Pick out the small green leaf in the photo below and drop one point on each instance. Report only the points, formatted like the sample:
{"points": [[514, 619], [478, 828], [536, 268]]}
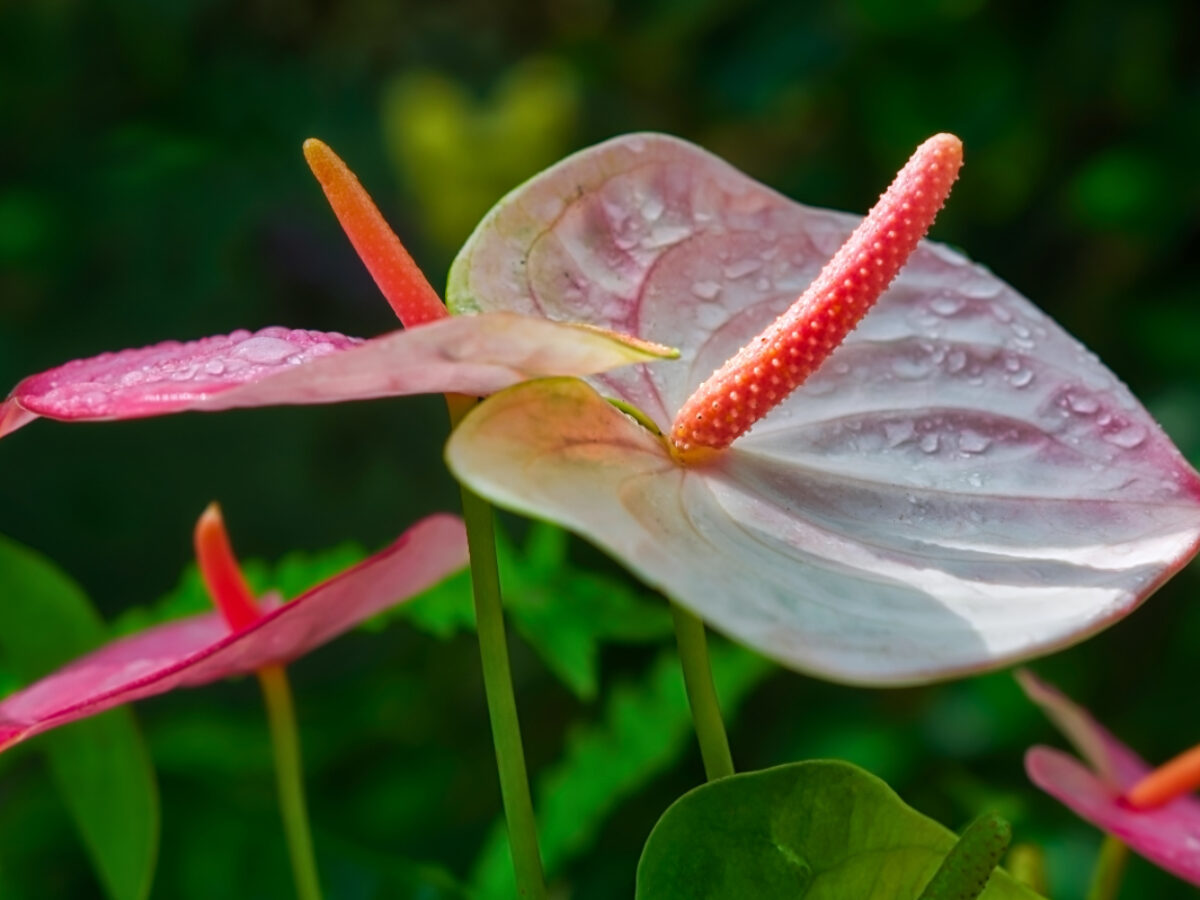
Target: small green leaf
{"points": [[816, 830], [100, 765]]}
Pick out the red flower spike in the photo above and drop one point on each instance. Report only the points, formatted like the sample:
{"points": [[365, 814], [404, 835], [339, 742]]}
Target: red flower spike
{"points": [[766, 370], [406, 288], [1172, 779], [222, 575]]}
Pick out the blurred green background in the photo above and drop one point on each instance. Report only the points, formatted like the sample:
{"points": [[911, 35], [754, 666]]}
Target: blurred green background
{"points": [[152, 187]]}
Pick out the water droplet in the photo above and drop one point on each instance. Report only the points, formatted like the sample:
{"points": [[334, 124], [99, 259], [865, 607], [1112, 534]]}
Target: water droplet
{"points": [[1020, 330], [652, 209], [975, 480], [956, 361], [981, 287], [1127, 438], [264, 350], [706, 290], [763, 284], [911, 369], [947, 305], [665, 236], [896, 433], [1002, 313], [742, 268], [1020, 378], [1083, 404], [929, 443], [973, 442], [1012, 364], [216, 367]]}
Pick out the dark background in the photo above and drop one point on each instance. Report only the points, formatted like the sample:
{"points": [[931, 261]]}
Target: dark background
{"points": [[152, 187]]}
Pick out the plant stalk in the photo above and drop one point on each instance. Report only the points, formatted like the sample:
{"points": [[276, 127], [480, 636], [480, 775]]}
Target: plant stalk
{"points": [[497, 682], [1110, 868], [702, 694], [289, 775]]}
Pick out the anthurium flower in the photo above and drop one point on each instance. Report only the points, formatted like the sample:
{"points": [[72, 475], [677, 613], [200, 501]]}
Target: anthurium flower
{"points": [[1103, 788], [241, 637], [948, 485]]}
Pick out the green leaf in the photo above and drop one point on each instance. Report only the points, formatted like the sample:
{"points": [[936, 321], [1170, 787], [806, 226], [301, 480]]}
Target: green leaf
{"points": [[645, 727], [819, 830], [100, 765]]}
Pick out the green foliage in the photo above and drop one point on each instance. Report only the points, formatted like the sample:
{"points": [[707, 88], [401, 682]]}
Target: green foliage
{"points": [[101, 766], [564, 612], [820, 830], [643, 730]]}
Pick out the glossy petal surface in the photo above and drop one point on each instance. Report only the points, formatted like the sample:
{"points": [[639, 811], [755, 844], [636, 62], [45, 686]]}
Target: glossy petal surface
{"points": [[834, 576], [960, 485], [201, 649], [475, 355], [1168, 836]]}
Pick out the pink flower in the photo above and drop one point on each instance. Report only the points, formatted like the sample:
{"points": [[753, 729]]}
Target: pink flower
{"points": [[276, 365], [1100, 791], [958, 484], [239, 638]]}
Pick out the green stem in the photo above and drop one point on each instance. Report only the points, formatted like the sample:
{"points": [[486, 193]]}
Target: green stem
{"points": [[289, 775], [502, 704], [497, 681], [702, 694], [1110, 867]]}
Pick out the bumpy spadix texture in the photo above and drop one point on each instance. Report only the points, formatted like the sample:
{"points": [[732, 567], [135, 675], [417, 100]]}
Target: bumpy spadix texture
{"points": [[961, 484], [409, 293], [1168, 836], [762, 374], [201, 649]]}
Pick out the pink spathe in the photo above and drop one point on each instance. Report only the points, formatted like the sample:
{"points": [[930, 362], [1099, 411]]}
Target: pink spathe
{"points": [[1168, 836], [201, 649]]}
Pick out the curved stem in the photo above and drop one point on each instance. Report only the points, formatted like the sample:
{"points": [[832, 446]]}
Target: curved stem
{"points": [[1110, 867], [702, 694], [502, 704], [285, 744]]}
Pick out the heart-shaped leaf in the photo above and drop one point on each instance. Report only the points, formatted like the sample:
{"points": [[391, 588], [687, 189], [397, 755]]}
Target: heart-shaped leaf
{"points": [[817, 830]]}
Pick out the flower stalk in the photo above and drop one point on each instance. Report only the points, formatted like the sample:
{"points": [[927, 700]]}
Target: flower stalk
{"points": [[702, 694], [231, 595], [415, 302]]}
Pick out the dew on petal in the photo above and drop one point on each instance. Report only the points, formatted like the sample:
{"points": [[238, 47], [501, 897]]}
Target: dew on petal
{"points": [[1083, 404], [947, 305], [265, 351], [973, 442], [706, 290], [1021, 378], [742, 268], [1126, 438]]}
